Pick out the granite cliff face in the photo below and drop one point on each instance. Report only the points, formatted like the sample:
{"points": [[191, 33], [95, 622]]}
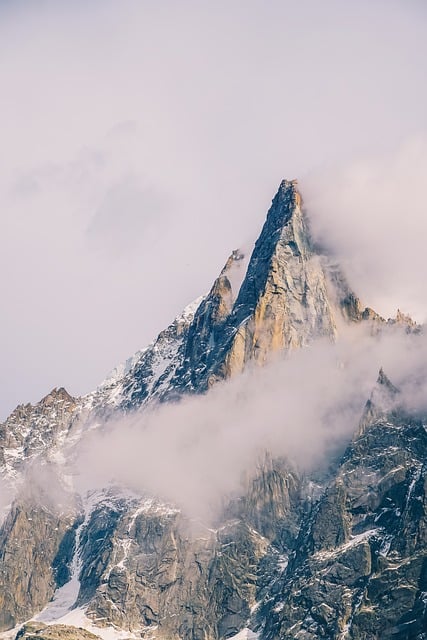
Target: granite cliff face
{"points": [[358, 569], [33, 430], [282, 303], [31, 541], [335, 553]]}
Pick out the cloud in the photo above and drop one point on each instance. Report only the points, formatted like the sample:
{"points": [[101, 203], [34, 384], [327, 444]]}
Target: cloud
{"points": [[371, 216], [191, 114], [126, 219], [304, 408], [6, 497]]}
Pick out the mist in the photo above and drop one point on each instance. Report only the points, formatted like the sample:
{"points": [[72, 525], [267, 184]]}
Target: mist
{"points": [[304, 408], [371, 216], [142, 142]]}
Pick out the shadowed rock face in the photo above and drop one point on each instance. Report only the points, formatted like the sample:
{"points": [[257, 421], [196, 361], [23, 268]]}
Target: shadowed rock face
{"points": [[146, 567], [340, 555], [359, 566], [176, 582], [282, 303], [30, 542]]}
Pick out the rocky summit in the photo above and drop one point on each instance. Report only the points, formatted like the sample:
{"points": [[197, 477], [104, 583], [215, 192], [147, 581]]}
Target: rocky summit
{"points": [[335, 552]]}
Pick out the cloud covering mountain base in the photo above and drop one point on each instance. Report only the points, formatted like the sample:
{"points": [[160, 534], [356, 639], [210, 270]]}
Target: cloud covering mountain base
{"points": [[304, 408]]}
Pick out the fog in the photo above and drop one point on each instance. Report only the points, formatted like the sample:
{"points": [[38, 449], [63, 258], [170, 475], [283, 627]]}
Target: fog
{"points": [[143, 141]]}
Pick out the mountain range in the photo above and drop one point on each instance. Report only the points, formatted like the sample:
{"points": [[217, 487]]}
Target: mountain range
{"points": [[334, 551]]}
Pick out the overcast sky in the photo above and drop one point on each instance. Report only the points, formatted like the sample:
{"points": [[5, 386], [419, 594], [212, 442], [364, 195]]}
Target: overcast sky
{"points": [[142, 141]]}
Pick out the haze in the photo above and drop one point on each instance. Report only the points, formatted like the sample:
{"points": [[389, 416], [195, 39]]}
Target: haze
{"points": [[143, 141]]}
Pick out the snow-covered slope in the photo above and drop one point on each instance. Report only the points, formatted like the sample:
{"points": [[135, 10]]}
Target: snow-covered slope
{"points": [[55, 424], [34, 430], [146, 375]]}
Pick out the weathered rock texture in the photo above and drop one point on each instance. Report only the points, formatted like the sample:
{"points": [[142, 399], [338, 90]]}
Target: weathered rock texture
{"points": [[30, 564], [40, 631], [358, 569], [176, 582], [338, 555], [282, 303], [32, 430]]}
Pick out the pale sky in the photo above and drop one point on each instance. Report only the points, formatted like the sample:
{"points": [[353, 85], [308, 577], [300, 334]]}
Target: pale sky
{"points": [[143, 141]]}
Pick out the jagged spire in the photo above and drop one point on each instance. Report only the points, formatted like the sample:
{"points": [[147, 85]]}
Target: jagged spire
{"points": [[287, 295], [382, 400], [384, 381], [285, 231], [289, 188], [282, 302]]}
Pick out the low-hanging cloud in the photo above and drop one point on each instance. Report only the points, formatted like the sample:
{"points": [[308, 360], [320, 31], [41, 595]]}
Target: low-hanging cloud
{"points": [[304, 408]]}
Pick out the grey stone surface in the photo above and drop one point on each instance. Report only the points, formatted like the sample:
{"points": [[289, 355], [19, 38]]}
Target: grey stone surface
{"points": [[341, 555]]}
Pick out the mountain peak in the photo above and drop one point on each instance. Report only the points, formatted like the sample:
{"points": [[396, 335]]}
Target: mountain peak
{"points": [[286, 203], [277, 539], [287, 185], [384, 381], [381, 402], [288, 190], [57, 394], [283, 296], [281, 304]]}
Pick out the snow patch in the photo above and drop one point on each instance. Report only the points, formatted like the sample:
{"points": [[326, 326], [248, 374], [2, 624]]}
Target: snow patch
{"points": [[190, 310], [245, 634], [78, 618], [66, 596], [353, 542]]}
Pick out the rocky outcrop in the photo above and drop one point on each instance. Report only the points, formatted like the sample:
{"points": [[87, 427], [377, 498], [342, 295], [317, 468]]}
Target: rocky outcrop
{"points": [[179, 584], [272, 501], [31, 565], [144, 567], [358, 570], [282, 303], [40, 631], [34, 430], [210, 323], [337, 554], [351, 308], [147, 375], [147, 567]]}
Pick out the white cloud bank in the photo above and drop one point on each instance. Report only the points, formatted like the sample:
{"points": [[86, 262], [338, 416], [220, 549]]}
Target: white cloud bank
{"points": [[305, 408]]}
